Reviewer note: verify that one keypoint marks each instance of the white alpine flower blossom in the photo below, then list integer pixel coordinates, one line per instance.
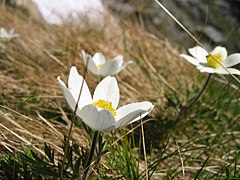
(207, 63)
(5, 35)
(100, 113)
(98, 64)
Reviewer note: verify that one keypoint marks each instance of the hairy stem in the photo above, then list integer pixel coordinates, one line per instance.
(72, 122)
(90, 156)
(194, 100)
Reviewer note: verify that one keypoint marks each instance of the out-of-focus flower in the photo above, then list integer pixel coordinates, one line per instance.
(211, 63)
(100, 113)
(7, 35)
(98, 64)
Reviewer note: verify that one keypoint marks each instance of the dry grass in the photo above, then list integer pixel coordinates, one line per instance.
(30, 97)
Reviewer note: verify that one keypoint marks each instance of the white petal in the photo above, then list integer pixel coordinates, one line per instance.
(228, 71)
(99, 58)
(190, 59)
(67, 94)
(220, 50)
(199, 53)
(107, 90)
(119, 58)
(207, 69)
(132, 112)
(112, 66)
(126, 64)
(88, 61)
(13, 34)
(97, 120)
(75, 84)
(231, 60)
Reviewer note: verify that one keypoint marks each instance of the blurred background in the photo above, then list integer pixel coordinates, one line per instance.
(215, 22)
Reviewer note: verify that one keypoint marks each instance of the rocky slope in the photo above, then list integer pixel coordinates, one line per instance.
(214, 22)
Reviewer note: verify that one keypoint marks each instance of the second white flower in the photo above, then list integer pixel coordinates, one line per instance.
(98, 64)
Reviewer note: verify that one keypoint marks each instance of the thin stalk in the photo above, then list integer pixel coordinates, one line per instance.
(194, 100)
(90, 156)
(99, 150)
(72, 122)
(144, 150)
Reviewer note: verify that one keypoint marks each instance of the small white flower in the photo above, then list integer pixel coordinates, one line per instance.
(100, 112)
(206, 63)
(99, 66)
(7, 35)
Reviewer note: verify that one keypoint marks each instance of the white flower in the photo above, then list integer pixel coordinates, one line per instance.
(100, 112)
(99, 66)
(7, 35)
(207, 63)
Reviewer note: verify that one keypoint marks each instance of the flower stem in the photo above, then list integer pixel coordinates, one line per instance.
(72, 123)
(199, 94)
(90, 156)
(144, 150)
(194, 100)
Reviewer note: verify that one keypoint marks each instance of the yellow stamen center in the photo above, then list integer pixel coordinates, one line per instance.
(106, 105)
(211, 60)
(99, 66)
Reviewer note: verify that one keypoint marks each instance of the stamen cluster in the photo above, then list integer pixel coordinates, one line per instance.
(106, 105)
